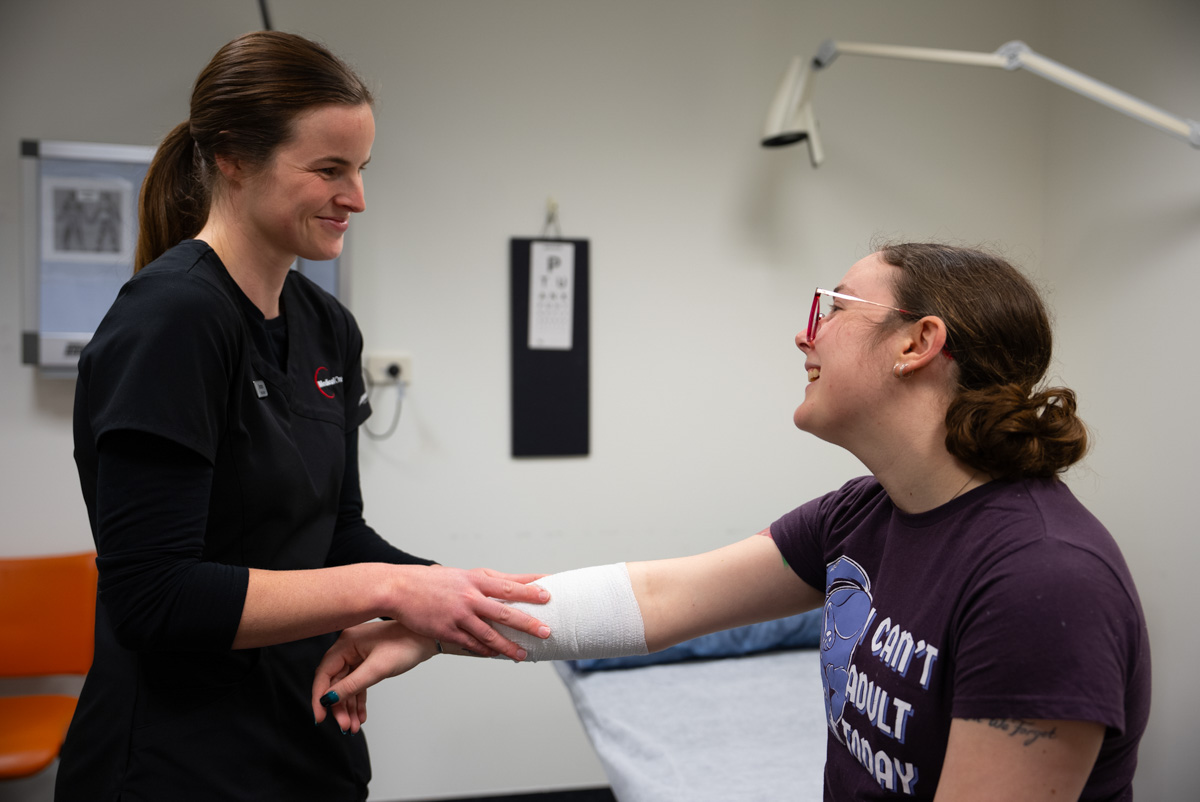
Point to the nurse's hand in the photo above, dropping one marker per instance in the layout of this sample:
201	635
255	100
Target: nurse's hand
456	606
362	656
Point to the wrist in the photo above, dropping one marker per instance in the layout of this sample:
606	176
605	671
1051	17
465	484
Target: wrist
388	585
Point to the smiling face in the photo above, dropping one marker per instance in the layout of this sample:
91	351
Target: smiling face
849	369
299	203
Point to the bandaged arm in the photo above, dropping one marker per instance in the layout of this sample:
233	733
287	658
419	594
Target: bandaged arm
635	608
592	613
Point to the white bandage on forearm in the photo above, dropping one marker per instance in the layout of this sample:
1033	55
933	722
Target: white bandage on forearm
592	613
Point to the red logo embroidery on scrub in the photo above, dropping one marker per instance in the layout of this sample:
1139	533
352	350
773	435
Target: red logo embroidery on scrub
331	381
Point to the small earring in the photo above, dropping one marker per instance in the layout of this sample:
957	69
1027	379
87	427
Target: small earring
898	371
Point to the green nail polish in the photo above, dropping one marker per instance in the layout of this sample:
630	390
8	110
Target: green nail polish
328	699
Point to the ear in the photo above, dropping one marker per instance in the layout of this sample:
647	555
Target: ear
231	168
924	342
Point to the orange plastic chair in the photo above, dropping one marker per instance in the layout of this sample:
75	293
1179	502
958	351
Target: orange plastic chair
47	628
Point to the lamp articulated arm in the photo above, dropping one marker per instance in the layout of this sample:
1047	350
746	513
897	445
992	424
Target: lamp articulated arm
791	120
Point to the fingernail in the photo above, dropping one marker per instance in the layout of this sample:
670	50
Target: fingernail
328	699
544	595
345	732
544	632
521	654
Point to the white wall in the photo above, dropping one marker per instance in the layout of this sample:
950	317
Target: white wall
1122	252
641	119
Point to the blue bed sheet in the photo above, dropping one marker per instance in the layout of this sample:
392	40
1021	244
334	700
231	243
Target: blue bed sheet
801	631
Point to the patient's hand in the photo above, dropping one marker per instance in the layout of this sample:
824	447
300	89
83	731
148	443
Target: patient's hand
362	656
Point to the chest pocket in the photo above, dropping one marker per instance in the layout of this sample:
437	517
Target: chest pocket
307	411
319	392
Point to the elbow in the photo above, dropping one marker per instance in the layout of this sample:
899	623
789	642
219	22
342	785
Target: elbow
135	599
133	626
176	608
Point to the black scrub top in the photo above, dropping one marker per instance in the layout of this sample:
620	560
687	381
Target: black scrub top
168	710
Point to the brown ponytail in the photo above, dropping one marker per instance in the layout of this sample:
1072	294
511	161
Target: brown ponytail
244	104
1000	421
1005	432
174	201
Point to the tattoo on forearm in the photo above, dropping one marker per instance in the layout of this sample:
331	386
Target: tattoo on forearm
1019	728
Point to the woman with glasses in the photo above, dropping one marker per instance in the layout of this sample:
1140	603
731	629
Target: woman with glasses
982	636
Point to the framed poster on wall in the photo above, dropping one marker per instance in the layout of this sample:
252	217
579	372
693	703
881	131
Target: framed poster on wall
79	232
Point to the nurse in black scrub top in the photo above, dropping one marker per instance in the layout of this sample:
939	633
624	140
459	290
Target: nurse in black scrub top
216	420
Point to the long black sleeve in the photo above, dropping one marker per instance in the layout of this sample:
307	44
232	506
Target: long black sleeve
151	506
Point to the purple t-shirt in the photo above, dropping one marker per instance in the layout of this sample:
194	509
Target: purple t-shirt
1009	602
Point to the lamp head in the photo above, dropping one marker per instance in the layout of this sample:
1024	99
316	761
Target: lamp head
784	138
790	118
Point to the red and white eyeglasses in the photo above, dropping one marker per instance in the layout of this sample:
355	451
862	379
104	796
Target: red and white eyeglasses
817	314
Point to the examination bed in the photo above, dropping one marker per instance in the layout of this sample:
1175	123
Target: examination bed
736	716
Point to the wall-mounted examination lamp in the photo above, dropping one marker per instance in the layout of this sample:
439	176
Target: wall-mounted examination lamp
790	118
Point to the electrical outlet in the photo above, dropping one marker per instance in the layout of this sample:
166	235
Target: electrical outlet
389	367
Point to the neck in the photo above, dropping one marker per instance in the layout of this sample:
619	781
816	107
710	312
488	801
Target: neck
933	488
915	468
259	273
922	479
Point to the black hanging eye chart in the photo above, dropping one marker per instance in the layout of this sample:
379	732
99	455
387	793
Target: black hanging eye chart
550	347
